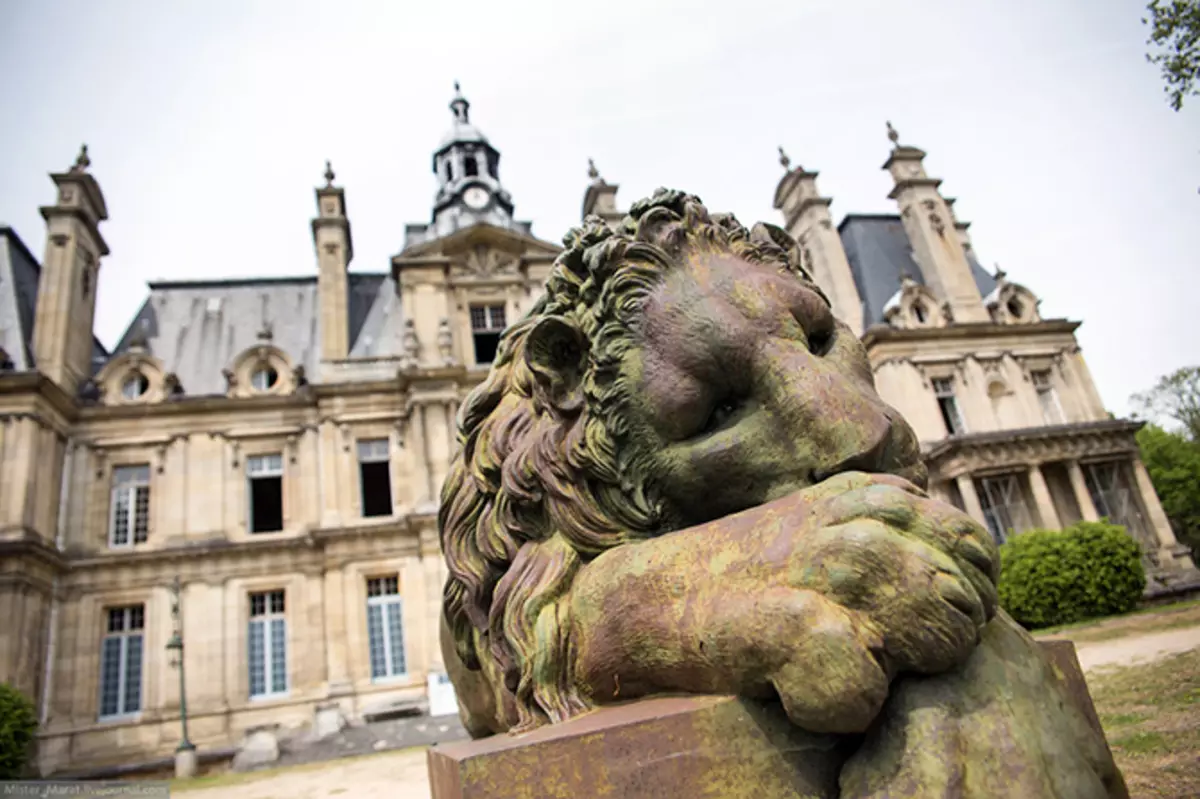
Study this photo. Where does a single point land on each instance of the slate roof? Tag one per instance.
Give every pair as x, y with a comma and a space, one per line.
880, 254
19, 275
197, 328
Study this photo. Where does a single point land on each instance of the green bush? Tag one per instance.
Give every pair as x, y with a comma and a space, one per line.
18, 723
1050, 577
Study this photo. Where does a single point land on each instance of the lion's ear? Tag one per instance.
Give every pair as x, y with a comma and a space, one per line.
556, 353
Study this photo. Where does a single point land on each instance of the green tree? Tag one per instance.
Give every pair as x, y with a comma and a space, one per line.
1174, 466
1175, 46
18, 723
1175, 396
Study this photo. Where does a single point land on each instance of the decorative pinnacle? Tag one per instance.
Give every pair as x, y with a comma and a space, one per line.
999, 274
892, 134
82, 162
329, 175
593, 173
459, 104
783, 159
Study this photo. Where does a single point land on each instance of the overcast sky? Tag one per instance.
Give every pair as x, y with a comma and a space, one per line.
208, 124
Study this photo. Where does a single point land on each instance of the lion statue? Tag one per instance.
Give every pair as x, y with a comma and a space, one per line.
678, 477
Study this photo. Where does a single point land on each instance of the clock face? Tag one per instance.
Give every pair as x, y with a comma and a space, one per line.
476, 197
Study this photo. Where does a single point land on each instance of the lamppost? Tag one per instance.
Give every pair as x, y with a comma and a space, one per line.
185, 753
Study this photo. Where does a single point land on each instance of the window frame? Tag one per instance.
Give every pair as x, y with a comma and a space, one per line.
377, 450
491, 312
385, 599
124, 635
130, 488
950, 395
1047, 392
265, 473
265, 619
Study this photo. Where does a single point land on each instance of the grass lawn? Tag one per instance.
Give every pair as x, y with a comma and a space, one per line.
1151, 716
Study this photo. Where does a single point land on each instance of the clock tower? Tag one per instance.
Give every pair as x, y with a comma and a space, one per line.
467, 168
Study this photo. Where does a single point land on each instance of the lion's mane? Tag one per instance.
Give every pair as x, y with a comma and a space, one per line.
535, 491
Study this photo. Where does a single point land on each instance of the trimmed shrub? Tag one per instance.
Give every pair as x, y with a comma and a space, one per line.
18, 723
1088, 570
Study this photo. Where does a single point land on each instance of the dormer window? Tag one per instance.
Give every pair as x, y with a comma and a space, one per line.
1015, 308
919, 312
264, 378
135, 386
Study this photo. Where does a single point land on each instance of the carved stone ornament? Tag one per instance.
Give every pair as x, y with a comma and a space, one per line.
445, 342
713, 529
482, 261
410, 346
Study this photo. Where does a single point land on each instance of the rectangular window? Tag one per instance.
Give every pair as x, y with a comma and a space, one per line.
129, 515
943, 389
265, 476
375, 477
487, 323
1047, 397
121, 662
268, 645
385, 627
1003, 505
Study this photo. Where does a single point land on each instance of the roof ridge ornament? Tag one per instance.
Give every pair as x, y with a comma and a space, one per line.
329, 174
593, 173
784, 160
892, 134
82, 162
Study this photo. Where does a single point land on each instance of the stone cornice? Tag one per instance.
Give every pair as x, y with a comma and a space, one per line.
86, 219
1033, 445
39, 386
880, 334
913, 183
32, 546
805, 204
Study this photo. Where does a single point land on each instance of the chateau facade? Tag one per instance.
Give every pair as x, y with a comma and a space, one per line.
278, 445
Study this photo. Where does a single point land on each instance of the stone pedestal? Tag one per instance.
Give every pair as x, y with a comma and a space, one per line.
695, 746
185, 763
702, 747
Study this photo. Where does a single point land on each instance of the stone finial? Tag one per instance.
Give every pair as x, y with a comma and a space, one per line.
999, 274
892, 134
329, 174
82, 162
784, 160
593, 173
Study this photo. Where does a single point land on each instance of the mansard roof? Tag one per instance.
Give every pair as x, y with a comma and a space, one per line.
198, 328
880, 254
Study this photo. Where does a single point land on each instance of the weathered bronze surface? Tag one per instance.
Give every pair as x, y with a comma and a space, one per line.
678, 477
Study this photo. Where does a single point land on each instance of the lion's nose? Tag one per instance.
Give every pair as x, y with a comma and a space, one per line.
816, 320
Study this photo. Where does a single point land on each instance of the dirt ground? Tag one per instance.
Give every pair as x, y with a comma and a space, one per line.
1128, 660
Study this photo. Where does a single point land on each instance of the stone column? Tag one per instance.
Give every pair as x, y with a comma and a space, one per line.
1041, 497
966, 487
1087, 508
1168, 545
337, 665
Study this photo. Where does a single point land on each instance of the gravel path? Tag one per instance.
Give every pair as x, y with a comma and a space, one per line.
1137, 649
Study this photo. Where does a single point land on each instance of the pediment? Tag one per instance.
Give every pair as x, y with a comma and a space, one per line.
462, 241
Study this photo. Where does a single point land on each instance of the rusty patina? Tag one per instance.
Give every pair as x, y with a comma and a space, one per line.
678, 477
